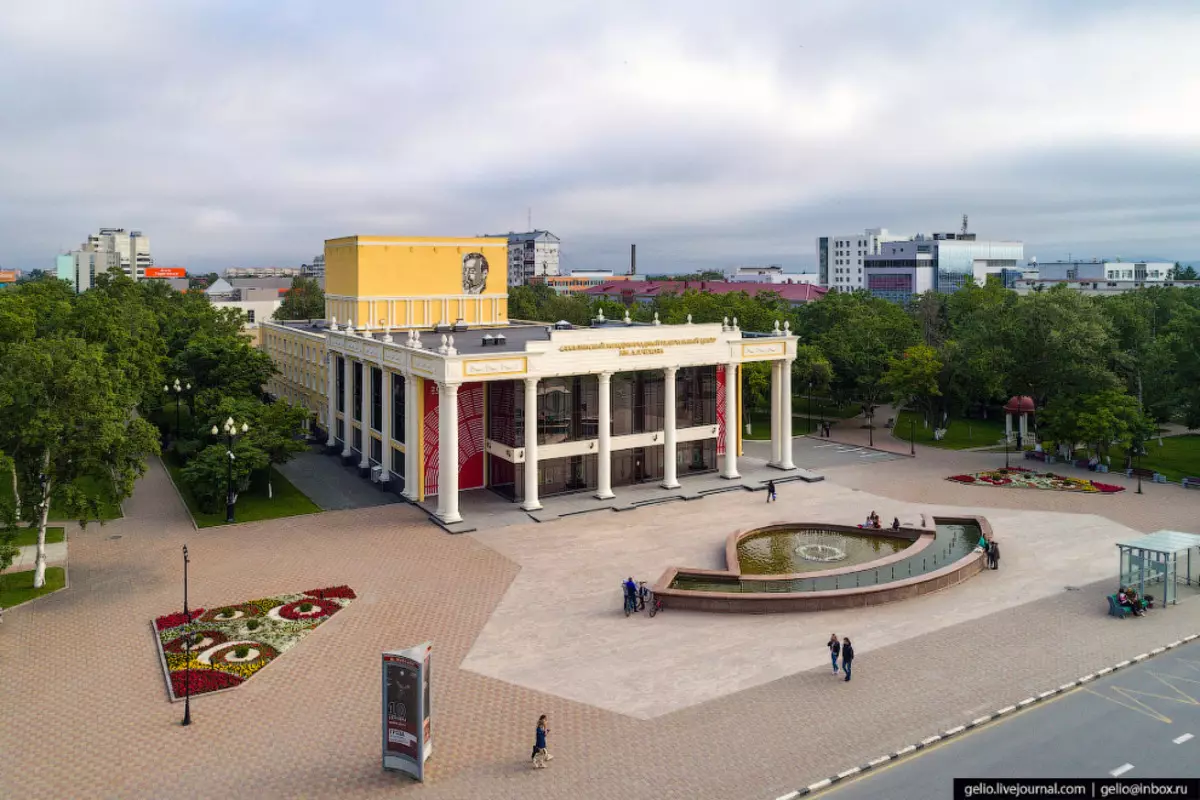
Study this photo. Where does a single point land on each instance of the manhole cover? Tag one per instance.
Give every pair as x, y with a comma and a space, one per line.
114, 537
1071, 588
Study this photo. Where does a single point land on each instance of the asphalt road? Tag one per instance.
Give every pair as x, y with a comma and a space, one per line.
1140, 722
817, 454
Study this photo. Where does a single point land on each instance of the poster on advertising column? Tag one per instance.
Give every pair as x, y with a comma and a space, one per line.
406, 710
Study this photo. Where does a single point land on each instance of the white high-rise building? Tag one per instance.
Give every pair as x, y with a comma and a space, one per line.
111, 250
530, 255
840, 258
314, 270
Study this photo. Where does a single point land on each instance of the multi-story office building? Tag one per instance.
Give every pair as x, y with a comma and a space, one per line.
772, 274
110, 250
578, 280
630, 291
840, 258
530, 255
314, 270
420, 381
1097, 277
943, 262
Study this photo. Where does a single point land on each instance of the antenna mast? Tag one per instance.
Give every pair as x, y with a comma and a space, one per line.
964, 228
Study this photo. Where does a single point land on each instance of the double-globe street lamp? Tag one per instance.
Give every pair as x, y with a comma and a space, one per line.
187, 646
179, 390
231, 430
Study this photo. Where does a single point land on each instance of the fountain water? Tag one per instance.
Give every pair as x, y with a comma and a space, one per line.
824, 548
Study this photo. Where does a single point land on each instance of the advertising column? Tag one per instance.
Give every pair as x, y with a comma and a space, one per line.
406, 710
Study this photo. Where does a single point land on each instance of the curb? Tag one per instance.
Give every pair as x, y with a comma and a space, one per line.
852, 444
930, 741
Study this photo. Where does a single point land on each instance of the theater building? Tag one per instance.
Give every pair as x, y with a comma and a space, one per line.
419, 380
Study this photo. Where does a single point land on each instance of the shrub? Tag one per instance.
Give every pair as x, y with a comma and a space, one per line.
241, 652
306, 607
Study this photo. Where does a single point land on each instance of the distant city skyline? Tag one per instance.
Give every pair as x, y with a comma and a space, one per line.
246, 135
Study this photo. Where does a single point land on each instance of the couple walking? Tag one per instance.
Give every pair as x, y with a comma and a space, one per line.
843, 649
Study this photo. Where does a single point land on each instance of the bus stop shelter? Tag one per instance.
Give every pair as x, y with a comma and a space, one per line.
1163, 560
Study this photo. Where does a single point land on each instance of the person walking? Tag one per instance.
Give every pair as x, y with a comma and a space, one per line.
771, 492
995, 555
847, 657
835, 649
540, 754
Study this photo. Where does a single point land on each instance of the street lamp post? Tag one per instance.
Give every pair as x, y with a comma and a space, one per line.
179, 390
870, 426
231, 430
808, 427
187, 646
1006, 451
1139, 471
912, 436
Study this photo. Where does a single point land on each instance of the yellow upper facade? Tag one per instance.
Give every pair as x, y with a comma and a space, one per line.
416, 281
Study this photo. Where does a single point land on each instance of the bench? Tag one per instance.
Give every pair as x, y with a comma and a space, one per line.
1115, 609
1191, 483
1141, 472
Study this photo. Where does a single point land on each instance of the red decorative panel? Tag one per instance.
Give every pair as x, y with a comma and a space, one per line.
722, 412
470, 437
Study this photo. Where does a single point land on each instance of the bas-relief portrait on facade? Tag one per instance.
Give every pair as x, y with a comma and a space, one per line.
474, 273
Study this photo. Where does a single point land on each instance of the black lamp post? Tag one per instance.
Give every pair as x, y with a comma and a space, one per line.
870, 425
1139, 470
1006, 451
187, 646
231, 430
179, 390
808, 427
912, 436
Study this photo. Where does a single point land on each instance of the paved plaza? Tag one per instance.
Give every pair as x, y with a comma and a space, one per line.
526, 620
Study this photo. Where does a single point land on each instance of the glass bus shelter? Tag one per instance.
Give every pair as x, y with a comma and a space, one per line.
1162, 562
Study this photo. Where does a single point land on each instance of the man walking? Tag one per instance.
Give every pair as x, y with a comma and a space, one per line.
847, 657
771, 492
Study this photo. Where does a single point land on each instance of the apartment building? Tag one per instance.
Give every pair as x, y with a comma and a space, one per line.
530, 255
840, 258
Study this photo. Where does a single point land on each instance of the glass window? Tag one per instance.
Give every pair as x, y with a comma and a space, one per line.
696, 457
357, 440
637, 402
376, 399
376, 450
358, 390
695, 396
568, 409
505, 419
567, 474
341, 384
341, 431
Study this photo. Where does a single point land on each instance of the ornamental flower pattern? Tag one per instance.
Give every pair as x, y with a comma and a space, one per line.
218, 634
1025, 478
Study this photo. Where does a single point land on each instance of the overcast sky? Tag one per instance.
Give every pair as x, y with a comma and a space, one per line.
711, 134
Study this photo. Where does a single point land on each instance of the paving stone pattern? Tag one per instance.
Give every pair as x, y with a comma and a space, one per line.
84, 710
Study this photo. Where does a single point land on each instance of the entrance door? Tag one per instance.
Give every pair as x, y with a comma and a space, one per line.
639, 464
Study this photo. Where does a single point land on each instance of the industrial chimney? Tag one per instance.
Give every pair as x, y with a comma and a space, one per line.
633, 259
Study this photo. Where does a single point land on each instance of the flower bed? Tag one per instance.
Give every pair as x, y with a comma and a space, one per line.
230, 644
1025, 478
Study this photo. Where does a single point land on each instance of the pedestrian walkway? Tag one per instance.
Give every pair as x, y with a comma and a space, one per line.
332, 486
56, 553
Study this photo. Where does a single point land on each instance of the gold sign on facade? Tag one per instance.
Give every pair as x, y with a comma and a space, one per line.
647, 348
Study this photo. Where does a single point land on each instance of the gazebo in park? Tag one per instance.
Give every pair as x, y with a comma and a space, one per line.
1022, 405
1163, 559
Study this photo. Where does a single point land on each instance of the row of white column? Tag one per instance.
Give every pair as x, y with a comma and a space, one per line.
448, 466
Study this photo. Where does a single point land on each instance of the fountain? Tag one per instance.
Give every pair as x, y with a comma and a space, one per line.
823, 548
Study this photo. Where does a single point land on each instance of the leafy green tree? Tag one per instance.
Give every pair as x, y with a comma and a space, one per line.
276, 429
1182, 273
67, 404
205, 475
305, 300
222, 366
114, 315
1100, 420
913, 377
811, 369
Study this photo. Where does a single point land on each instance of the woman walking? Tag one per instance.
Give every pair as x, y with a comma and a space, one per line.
770, 491
540, 754
835, 648
847, 657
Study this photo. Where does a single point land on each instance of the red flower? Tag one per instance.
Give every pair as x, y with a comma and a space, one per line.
203, 680
171, 620
178, 645
339, 592
963, 478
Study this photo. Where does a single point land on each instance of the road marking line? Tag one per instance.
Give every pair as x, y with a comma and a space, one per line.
1005, 710
848, 773
1121, 770
1187, 737
819, 785
819, 446
980, 721
788, 796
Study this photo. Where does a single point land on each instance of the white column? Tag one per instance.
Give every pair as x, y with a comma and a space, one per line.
729, 468
448, 452
385, 425
364, 461
669, 457
776, 395
1024, 427
347, 405
412, 435
331, 399
531, 455
604, 471
785, 461
1008, 426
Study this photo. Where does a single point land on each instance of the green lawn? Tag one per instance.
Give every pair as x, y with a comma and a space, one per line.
822, 409
1178, 458
87, 485
960, 433
17, 587
252, 504
28, 536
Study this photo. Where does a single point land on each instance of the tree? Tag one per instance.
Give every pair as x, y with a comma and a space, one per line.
221, 366
913, 377
305, 300
1182, 273
1101, 419
276, 429
205, 475
811, 368
66, 403
33, 276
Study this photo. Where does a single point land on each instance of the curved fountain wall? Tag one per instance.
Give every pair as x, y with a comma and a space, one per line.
885, 580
